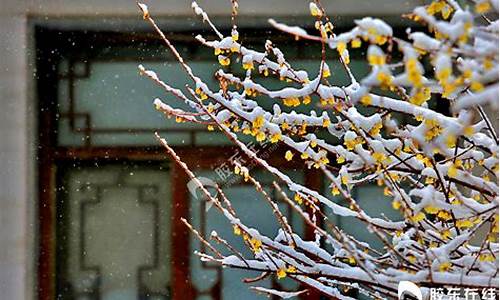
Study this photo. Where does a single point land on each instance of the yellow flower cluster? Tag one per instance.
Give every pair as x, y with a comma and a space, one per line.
375, 130
421, 96
444, 267
335, 190
258, 122
315, 11
351, 143
431, 209
440, 6
444, 215
420, 216
326, 71
446, 234
201, 94
366, 100
303, 129
356, 43
329, 101
378, 38
453, 169
284, 126
265, 72
493, 236
282, 272
306, 99
298, 198
433, 129
384, 79
414, 74
291, 101
476, 86
483, 6
443, 75
251, 92
234, 35
451, 141
322, 161
341, 47
248, 65
259, 134
448, 85
376, 60
256, 245
275, 138
487, 257
379, 157
396, 204
236, 230
464, 224
224, 60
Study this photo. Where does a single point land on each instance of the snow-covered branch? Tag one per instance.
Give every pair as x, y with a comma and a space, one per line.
438, 167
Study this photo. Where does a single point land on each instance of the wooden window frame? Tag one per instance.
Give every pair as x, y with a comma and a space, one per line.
50, 156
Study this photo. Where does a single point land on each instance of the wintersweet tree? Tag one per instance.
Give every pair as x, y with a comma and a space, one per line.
439, 168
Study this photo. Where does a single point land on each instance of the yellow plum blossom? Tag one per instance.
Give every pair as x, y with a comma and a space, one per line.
431, 209
446, 234
483, 6
275, 138
306, 100
384, 79
444, 215
281, 273
224, 60
375, 130
366, 100
396, 204
261, 136
356, 43
314, 9
433, 129
256, 245
248, 65
258, 122
464, 224
418, 217
376, 60
335, 191
378, 157
444, 267
414, 74
298, 199
236, 230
